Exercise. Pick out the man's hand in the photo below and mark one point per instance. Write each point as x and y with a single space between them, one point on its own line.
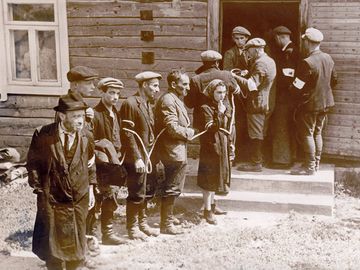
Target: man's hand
91 197
139 166
89 113
221 106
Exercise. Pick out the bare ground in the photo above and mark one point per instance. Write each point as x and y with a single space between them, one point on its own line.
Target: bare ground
239 241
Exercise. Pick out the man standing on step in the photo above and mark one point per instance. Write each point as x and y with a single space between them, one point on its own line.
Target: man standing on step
61 167
282 123
259 84
171 115
106 130
137 138
196 98
315 78
235 58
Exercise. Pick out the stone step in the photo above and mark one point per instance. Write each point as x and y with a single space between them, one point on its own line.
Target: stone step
273 181
267 202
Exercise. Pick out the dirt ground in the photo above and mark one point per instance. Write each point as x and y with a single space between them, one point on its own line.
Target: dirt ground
239 241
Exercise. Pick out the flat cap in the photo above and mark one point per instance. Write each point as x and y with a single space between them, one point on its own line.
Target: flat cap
147 75
281 30
81 73
255 42
104 83
313 35
241 30
71 102
210 55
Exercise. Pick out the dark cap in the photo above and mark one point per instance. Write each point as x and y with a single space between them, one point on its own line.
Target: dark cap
70 102
281 30
81 73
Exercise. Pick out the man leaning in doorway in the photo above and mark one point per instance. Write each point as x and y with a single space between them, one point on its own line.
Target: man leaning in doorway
235 58
315 78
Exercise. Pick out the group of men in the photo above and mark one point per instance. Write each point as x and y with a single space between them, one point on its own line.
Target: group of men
78 162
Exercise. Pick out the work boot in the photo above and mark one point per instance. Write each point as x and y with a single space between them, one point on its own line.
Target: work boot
132 226
217 210
209 217
167 217
143 223
302 171
108 235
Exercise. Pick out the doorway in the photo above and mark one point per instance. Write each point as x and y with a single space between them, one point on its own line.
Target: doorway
259 17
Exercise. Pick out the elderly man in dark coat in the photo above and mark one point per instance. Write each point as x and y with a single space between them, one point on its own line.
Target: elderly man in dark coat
61 168
258 105
137 138
282 123
171 116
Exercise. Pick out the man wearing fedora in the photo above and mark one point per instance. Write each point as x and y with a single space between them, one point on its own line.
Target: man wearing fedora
60 166
314 79
196 97
110 173
282 123
137 138
258 105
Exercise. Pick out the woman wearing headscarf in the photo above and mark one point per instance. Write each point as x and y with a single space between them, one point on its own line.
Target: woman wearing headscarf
214 163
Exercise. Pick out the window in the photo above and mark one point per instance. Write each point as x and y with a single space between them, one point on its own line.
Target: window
35 47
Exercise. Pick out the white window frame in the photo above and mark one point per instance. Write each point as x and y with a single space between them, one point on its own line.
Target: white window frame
33 87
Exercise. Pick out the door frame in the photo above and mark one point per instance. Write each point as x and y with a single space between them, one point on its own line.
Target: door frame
214 18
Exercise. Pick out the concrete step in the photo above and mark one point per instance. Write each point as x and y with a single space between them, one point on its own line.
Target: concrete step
273 181
267 202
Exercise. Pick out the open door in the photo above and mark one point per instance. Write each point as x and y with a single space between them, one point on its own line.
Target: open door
259 17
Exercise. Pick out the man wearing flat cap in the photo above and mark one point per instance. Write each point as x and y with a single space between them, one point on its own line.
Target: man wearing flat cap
282 123
235 58
137 138
82 81
259 86
106 130
61 165
314 79
197 97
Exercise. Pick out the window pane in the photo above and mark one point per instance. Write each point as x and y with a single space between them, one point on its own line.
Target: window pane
22 55
47 55
32 12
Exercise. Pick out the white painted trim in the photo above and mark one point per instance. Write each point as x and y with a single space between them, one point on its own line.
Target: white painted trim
34 87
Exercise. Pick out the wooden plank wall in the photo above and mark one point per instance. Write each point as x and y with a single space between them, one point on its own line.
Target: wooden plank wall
339 20
105 35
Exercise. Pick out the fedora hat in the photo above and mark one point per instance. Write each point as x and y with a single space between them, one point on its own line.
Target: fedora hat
70 102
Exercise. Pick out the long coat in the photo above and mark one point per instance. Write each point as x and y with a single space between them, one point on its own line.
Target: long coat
214 163
282 124
62 191
170 113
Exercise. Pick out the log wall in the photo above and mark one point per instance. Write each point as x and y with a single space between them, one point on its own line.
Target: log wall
339 20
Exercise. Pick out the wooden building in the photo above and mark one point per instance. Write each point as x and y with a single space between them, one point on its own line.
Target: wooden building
41 39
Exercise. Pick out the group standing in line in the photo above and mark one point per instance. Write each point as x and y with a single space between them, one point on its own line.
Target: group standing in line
77 162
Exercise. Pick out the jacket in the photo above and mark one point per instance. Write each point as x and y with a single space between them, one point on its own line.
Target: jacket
233 59
170 113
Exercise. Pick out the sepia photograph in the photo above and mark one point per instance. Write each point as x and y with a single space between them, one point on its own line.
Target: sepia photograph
179 134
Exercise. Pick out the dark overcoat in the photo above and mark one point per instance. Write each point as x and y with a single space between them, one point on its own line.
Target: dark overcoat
62 193
214 161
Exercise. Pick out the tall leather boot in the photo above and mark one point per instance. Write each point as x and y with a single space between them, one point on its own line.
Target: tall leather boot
167 216
108 235
256 158
132 226
143 223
